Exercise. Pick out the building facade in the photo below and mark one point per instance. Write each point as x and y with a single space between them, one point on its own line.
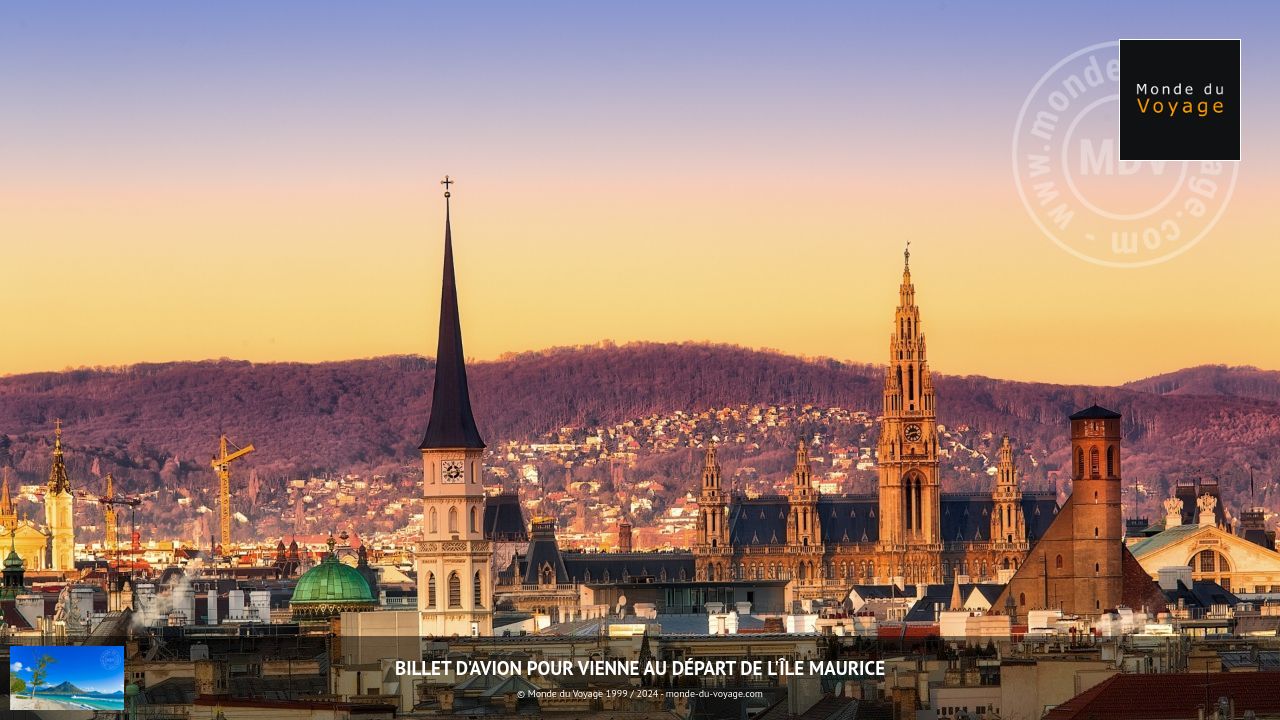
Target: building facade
909 530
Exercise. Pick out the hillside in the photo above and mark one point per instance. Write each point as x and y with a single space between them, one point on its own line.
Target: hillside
155 426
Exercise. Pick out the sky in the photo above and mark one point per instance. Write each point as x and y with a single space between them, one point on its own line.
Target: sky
255 180
92 669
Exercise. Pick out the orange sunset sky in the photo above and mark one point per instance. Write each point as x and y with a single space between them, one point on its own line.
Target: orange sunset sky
182 183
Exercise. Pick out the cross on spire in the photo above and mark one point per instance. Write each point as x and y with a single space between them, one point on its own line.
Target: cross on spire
446 182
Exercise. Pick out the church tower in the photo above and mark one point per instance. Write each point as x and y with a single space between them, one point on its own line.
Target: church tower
58 509
1076 566
910 488
712 551
1008 526
8 514
455 585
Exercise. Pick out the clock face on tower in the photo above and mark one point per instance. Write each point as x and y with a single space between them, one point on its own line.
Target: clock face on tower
913 432
452 471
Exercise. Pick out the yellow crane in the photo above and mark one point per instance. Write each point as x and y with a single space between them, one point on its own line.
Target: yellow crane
222 465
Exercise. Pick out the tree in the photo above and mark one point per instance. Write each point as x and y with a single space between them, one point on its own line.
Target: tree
40 673
16 685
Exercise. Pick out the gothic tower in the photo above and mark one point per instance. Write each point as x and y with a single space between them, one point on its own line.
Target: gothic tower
110 539
910 489
804 533
712 550
58 509
455 585
1008 526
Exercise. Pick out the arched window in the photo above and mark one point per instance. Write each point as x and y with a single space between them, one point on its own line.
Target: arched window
455 591
1057 563
1079 463
453 519
477 592
431 590
1111 461
475 524
1022 598
1093 462
434 519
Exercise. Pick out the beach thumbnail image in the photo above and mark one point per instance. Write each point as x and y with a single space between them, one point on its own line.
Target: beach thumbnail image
66 677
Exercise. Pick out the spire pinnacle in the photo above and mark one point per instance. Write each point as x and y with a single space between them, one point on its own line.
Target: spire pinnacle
59 482
452 424
906 258
6 503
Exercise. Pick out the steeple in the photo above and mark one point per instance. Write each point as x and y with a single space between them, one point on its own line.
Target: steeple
802 476
452 424
710 472
6 503
58 480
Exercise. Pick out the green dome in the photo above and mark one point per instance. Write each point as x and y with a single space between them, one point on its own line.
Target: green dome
331 587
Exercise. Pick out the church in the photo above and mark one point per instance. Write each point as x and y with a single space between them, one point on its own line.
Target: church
909 531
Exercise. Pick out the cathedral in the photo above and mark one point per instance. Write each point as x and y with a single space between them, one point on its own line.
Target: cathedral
909 531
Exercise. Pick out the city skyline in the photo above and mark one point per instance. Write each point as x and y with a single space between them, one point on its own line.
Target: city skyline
266 190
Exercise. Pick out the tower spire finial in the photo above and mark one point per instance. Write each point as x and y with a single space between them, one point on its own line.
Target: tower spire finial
906 257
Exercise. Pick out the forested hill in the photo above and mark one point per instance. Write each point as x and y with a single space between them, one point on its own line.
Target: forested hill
156 425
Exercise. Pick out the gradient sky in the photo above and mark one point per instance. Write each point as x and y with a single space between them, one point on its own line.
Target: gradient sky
260 180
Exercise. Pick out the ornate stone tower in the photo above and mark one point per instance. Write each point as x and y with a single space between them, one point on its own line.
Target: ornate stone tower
910 491
8 514
1008 526
59 513
712 551
804 532
802 522
455 584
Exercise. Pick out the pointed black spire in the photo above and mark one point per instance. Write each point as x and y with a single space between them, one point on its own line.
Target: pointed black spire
452 424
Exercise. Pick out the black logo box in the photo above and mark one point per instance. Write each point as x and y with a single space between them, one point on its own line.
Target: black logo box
1155 74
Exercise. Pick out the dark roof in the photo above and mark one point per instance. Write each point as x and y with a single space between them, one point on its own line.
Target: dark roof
595 567
1202 594
452 425
504 519
854 519
544 552
1096 412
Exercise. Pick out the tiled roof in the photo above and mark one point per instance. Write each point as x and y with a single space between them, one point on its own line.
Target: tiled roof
1170 696
1163 539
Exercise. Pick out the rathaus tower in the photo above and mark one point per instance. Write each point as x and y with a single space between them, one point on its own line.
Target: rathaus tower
910 488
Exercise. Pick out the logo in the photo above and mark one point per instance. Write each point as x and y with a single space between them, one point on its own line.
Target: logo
1075 187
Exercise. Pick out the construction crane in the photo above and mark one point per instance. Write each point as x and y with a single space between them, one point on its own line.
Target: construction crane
109 501
222 465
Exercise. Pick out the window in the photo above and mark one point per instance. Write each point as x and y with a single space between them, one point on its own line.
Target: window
1093 462
433 520
1079 463
1057 563
455 591
477 592
1022 598
475 524
1206 561
431 590
453 519
1111 461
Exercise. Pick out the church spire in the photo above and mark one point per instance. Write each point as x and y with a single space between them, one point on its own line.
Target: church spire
59 482
452 424
6 503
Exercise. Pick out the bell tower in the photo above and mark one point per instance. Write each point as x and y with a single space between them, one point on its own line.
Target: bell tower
907 456
455 585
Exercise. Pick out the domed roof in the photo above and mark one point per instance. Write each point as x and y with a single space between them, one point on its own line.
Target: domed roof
332 586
